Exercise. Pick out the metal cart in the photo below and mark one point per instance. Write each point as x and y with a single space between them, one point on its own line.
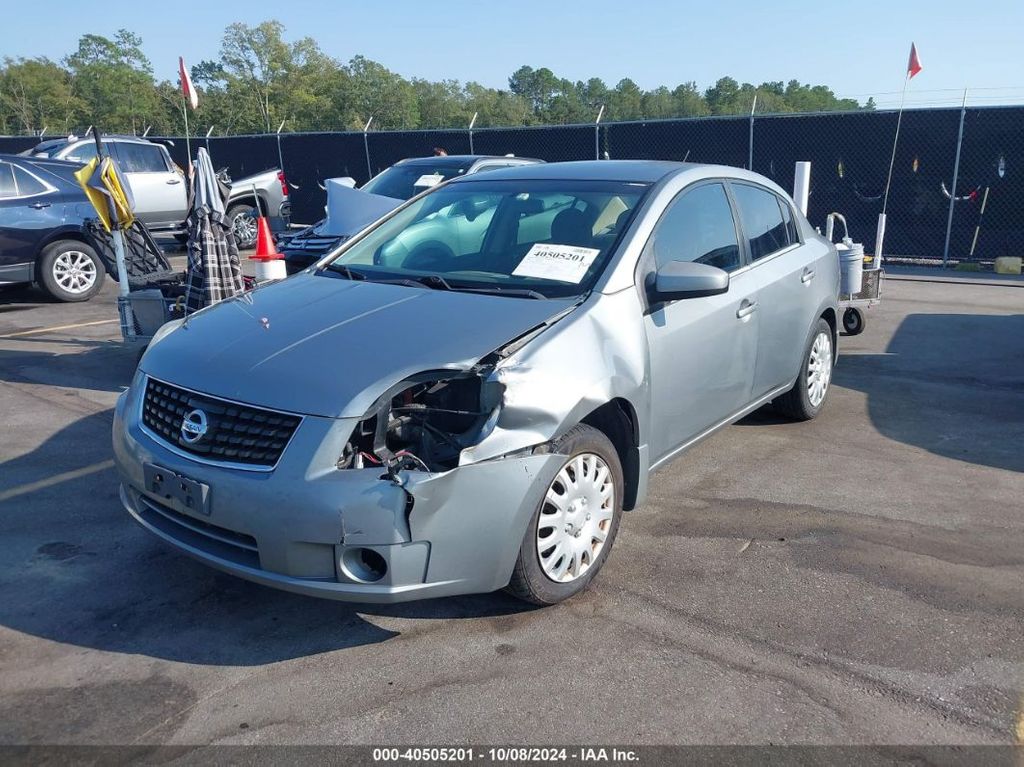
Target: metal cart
156 293
872 276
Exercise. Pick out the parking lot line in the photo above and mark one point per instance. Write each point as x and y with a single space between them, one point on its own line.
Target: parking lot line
56 479
54 329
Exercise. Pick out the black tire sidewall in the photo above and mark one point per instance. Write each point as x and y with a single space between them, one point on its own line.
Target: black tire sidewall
50 254
581 439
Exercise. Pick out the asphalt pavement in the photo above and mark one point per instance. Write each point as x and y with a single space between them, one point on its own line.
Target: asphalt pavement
856 579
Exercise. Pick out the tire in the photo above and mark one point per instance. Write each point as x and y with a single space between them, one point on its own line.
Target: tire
242 220
586 449
853 322
70 271
807 397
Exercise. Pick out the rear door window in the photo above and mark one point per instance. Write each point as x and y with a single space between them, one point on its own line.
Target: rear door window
15 182
7 187
763 225
141 158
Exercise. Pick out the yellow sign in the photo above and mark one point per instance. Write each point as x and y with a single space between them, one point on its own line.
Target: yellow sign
102 185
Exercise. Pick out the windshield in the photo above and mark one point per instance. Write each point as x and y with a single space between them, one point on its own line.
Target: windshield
403 182
542 239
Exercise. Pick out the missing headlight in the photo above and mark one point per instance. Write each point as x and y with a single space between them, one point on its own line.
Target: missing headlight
423 425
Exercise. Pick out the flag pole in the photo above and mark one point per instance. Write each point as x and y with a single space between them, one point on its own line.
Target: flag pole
895 141
188 143
913 67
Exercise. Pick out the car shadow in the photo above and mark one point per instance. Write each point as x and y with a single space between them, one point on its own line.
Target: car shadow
951 384
97 365
76 569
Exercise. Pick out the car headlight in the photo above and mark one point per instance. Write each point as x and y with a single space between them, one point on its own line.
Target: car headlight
424 423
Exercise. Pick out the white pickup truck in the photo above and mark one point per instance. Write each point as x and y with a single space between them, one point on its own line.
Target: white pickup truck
160 191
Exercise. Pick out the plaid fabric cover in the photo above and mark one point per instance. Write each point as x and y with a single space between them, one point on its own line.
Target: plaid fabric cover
214 270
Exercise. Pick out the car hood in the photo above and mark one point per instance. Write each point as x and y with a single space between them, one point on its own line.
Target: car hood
329 347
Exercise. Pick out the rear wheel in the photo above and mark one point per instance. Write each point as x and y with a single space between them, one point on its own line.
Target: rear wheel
242 220
807 397
572 530
70 271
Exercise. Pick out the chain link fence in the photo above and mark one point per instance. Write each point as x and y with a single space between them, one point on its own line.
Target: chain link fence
849 151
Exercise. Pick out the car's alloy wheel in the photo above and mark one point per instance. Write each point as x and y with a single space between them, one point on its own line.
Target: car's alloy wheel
819 368
244 226
74 271
576 518
70 270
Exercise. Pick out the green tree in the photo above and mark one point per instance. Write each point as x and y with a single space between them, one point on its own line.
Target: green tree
113 81
37 94
375 91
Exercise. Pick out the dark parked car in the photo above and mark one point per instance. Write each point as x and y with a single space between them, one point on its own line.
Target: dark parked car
44 237
402 181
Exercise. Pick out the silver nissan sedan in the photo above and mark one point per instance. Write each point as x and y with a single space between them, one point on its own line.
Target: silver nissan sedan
467 394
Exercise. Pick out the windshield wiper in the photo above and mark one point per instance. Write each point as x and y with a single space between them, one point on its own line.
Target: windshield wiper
516 292
345 271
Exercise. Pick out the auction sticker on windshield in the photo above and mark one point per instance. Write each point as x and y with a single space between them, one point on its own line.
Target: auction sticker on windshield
429 179
562 263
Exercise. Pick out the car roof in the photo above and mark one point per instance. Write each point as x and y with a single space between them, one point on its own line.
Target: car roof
42 162
460 160
636 171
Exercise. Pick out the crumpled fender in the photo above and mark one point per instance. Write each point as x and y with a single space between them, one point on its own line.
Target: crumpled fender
554 381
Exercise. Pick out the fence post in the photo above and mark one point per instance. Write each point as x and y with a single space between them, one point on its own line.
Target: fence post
366 146
597 133
471 124
280 156
750 158
207 142
956 174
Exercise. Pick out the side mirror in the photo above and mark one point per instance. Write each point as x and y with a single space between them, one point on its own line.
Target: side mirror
677 280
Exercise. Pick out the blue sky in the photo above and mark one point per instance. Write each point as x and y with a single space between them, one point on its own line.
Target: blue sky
859 49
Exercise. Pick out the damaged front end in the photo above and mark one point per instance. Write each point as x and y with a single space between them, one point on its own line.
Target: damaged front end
424 423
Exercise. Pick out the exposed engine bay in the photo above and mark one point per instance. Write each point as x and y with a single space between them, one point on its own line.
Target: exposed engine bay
423 425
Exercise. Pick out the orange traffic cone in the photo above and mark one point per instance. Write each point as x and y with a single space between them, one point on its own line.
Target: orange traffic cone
269 263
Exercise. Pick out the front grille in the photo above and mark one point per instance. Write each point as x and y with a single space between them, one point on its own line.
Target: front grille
235 433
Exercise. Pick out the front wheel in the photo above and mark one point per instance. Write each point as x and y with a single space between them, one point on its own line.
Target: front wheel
70 271
807 397
573 528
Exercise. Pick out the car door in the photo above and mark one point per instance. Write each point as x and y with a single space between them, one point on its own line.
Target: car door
29 209
784 278
702 350
159 191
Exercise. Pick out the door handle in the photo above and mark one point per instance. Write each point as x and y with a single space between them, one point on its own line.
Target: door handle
807 276
39 205
746 309
174 181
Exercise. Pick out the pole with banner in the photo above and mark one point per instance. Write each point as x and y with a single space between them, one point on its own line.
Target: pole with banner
913 67
189 98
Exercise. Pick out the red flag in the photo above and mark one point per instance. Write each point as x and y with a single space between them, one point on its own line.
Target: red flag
914 64
186 84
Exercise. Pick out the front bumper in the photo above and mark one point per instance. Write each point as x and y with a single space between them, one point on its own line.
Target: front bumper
440 534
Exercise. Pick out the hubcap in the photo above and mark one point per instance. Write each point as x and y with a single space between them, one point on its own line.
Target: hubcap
244 228
576 518
819 368
74 271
